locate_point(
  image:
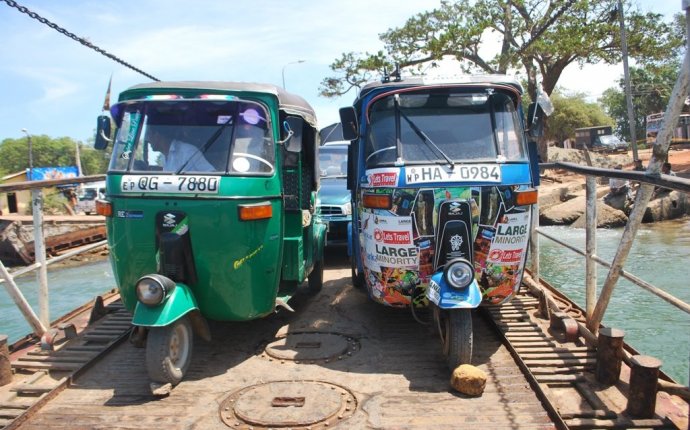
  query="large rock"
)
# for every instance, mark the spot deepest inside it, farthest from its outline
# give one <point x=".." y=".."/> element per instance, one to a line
<point x="468" y="379"/>
<point x="563" y="214"/>
<point x="607" y="217"/>
<point x="556" y="196"/>
<point x="667" y="205"/>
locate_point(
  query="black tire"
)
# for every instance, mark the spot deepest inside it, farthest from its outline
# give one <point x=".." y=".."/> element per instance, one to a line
<point x="315" y="279"/>
<point x="169" y="351"/>
<point x="357" y="276"/>
<point x="457" y="337"/>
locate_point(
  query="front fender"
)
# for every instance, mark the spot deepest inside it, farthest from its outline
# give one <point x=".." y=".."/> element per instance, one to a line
<point x="447" y="297"/>
<point x="180" y="302"/>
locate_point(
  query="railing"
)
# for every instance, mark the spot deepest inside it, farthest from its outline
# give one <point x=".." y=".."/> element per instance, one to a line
<point x="39" y="324"/>
<point x="595" y="308"/>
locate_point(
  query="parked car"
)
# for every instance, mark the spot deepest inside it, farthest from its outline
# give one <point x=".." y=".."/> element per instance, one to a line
<point x="599" y="139"/>
<point x="87" y="196"/>
<point x="609" y="143"/>
<point x="334" y="198"/>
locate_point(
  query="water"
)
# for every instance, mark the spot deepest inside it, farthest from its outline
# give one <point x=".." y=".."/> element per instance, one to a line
<point x="68" y="288"/>
<point x="660" y="255"/>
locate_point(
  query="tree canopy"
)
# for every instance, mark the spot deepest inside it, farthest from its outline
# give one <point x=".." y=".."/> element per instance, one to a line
<point x="538" y="38"/>
<point x="651" y="87"/>
<point x="571" y="112"/>
<point x="49" y="152"/>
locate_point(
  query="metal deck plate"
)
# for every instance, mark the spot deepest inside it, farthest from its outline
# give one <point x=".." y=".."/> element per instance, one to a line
<point x="311" y="347"/>
<point x="288" y="404"/>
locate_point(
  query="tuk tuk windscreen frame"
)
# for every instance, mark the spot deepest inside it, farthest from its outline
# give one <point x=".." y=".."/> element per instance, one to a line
<point x="189" y="136"/>
<point x="466" y="126"/>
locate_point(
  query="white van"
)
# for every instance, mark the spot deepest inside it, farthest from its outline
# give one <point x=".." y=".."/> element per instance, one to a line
<point x="86" y="198"/>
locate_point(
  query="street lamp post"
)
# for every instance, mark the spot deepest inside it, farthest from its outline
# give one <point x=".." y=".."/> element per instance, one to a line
<point x="283" y="72"/>
<point x="31" y="154"/>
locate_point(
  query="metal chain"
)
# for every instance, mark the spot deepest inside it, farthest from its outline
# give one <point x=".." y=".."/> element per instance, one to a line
<point x="73" y="36"/>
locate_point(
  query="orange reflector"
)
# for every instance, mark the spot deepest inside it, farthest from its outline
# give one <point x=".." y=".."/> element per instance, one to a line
<point x="377" y="201"/>
<point x="257" y="211"/>
<point x="528" y="197"/>
<point x="104" y="207"/>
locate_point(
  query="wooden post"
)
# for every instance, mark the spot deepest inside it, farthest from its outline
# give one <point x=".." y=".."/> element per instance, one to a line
<point x="5" y="367"/>
<point x="590" y="246"/>
<point x="40" y="257"/>
<point x="644" y="377"/>
<point x="609" y="355"/>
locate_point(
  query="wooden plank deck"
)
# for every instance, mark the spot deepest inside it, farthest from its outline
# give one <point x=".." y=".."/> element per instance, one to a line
<point x="397" y="376"/>
<point x="393" y="369"/>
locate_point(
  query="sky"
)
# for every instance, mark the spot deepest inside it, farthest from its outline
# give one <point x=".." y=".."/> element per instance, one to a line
<point x="53" y="85"/>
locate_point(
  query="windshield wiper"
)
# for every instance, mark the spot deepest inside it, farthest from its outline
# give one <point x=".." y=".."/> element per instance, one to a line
<point x="206" y="145"/>
<point x="424" y="137"/>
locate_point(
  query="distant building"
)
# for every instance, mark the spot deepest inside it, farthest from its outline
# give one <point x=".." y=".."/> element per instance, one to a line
<point x="16" y="202"/>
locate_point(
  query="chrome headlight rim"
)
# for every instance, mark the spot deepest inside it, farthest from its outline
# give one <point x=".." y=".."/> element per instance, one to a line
<point x="152" y="290"/>
<point x="462" y="279"/>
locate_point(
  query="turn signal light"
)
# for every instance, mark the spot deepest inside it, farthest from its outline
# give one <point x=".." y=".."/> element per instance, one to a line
<point x="377" y="201"/>
<point x="527" y="197"/>
<point x="104" y="207"/>
<point x="257" y="211"/>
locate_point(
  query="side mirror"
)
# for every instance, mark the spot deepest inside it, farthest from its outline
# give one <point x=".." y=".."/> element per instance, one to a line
<point x="348" y="119"/>
<point x="292" y="126"/>
<point x="102" y="132"/>
<point x="535" y="120"/>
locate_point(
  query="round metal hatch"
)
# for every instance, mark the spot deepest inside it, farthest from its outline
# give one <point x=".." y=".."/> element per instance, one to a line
<point x="311" y="347"/>
<point x="288" y="404"/>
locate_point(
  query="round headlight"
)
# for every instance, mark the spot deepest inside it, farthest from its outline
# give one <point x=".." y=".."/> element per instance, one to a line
<point x="459" y="273"/>
<point x="152" y="289"/>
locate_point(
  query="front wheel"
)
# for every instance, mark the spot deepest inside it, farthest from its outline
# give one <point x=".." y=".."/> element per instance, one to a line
<point x="315" y="279"/>
<point x="169" y="351"/>
<point x="357" y="276"/>
<point x="455" y="327"/>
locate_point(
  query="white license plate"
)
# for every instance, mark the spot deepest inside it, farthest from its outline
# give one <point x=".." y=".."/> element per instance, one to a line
<point x="460" y="173"/>
<point x="170" y="184"/>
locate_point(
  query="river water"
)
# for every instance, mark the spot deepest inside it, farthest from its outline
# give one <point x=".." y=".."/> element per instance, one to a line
<point x="660" y="256"/>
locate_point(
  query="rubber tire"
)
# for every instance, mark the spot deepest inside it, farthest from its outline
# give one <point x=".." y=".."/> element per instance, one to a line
<point x="357" y="276"/>
<point x="169" y="351"/>
<point x="315" y="278"/>
<point x="458" y="336"/>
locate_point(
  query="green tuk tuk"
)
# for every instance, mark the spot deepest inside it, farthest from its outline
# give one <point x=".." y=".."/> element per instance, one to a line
<point x="210" y="209"/>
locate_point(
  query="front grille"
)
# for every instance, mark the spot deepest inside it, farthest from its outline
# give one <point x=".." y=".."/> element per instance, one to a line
<point x="331" y="210"/>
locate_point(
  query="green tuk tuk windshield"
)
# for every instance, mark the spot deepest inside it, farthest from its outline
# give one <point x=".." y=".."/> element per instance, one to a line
<point x="181" y="136"/>
<point x="442" y="126"/>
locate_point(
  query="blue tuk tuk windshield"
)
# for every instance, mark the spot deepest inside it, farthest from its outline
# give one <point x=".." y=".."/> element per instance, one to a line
<point x="442" y="126"/>
<point x="183" y="136"/>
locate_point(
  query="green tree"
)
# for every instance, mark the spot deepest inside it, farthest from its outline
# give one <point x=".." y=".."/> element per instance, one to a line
<point x="571" y="112"/>
<point x="538" y="37"/>
<point x="48" y="152"/>
<point x="651" y="87"/>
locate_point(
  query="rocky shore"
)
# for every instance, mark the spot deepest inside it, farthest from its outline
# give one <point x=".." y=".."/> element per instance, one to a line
<point x="562" y="194"/>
